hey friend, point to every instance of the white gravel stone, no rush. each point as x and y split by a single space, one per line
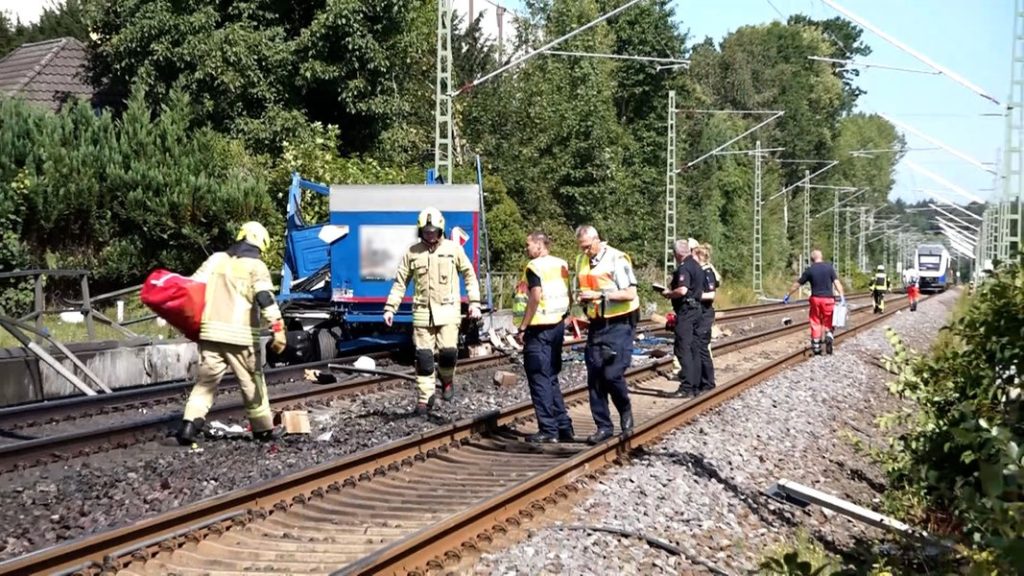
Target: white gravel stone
702 487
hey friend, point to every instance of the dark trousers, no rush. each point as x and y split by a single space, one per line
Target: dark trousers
707 364
879 298
687 345
608 354
542 358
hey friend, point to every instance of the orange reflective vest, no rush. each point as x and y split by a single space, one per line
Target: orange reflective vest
601 278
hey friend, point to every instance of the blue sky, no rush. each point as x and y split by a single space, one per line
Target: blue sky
973 38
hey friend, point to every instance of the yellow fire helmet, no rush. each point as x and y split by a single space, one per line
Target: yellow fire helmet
430 217
254 233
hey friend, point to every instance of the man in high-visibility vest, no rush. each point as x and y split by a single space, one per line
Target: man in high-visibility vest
539 310
434 264
879 286
606 289
237 283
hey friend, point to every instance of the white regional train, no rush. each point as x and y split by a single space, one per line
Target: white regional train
933 271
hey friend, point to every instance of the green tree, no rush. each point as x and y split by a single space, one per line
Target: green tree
846 44
261 69
121 196
58 20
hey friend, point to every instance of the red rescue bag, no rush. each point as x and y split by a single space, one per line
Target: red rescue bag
177 299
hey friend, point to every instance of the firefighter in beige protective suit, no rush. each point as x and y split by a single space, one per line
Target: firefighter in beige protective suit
238 291
433 265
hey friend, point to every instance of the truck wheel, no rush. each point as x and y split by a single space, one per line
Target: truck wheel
327 343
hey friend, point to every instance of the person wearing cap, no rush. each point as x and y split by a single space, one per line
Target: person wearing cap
685 292
237 283
433 265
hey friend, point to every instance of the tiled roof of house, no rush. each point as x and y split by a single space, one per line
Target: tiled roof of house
46 73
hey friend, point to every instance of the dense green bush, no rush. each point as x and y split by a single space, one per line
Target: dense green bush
957 466
120 196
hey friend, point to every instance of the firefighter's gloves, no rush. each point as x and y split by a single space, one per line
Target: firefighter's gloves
474 312
389 317
785 299
280 341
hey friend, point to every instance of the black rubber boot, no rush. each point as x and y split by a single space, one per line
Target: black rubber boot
422 408
447 391
829 343
189 431
816 347
626 422
542 438
274 433
599 436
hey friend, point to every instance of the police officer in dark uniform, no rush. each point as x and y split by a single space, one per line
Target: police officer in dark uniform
685 292
707 314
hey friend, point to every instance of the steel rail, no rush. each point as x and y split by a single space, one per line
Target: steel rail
432 545
41 451
83 443
50 411
141 541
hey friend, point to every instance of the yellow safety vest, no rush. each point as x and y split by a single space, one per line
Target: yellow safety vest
881 282
554 299
601 278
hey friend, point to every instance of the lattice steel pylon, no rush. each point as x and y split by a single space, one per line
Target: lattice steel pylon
862 230
443 94
846 248
670 188
1013 164
758 258
806 256
835 231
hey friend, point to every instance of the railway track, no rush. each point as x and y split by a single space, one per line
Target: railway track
82 443
418 503
740 313
143 398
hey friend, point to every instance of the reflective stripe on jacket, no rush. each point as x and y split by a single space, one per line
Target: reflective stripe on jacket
230 313
881 282
554 288
435 278
602 279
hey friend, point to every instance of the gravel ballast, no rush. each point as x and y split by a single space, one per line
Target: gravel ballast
702 487
46 505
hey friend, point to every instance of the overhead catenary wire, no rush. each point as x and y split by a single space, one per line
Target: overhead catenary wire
832 163
860 64
775 114
959 154
514 63
948 202
959 190
619 56
921 57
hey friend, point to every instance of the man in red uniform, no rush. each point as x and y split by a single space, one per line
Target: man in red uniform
822 276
